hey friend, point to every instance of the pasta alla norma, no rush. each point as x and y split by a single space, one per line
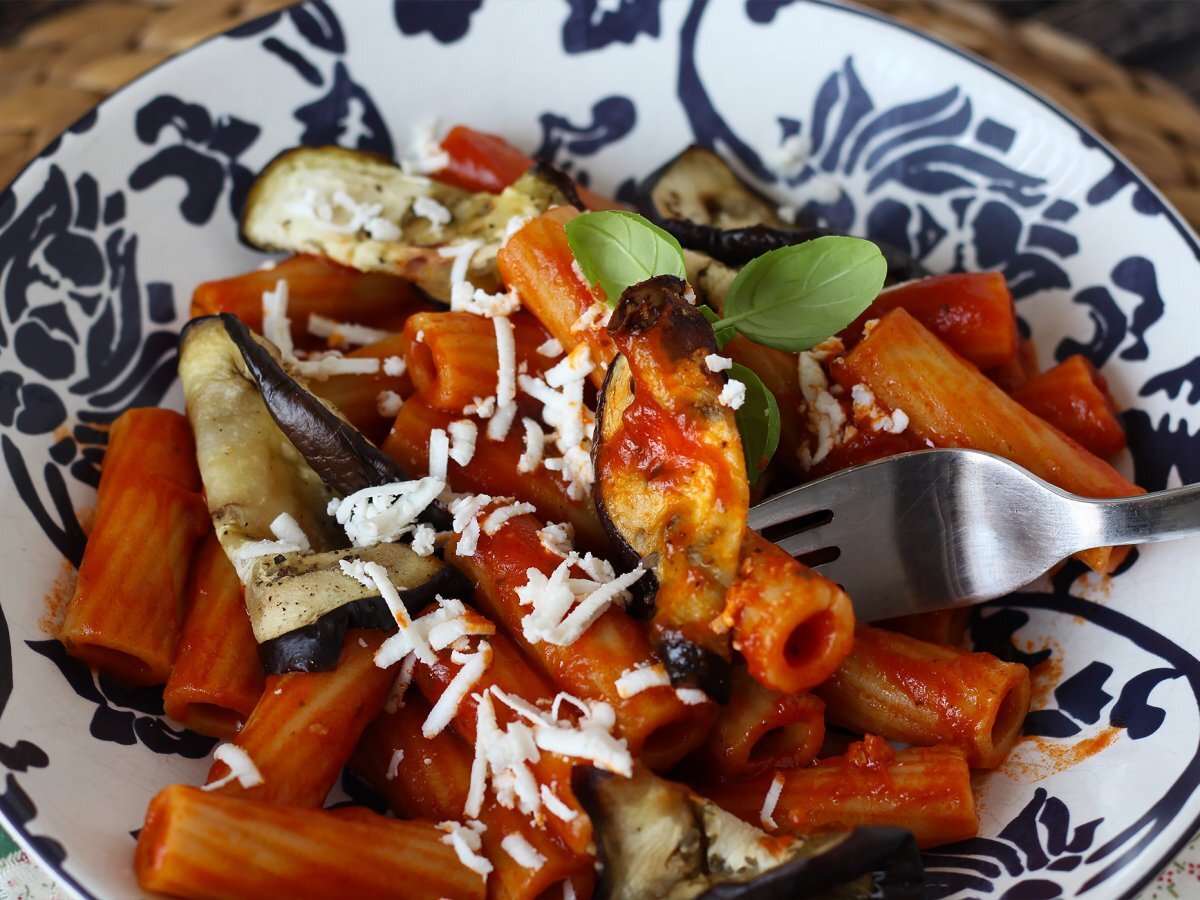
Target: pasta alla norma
459 504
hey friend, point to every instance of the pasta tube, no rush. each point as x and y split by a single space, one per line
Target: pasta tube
924 694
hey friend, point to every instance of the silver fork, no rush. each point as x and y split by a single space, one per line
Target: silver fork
934 529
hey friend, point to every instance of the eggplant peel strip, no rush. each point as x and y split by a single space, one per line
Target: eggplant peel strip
671 484
656 838
700 201
363 211
252 472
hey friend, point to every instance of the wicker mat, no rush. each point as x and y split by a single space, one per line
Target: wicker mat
65 63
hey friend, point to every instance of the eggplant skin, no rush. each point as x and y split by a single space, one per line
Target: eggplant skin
699 185
645 305
690 664
888 856
335 449
317 646
737 246
656 838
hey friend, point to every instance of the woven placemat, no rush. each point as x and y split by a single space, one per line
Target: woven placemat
62 65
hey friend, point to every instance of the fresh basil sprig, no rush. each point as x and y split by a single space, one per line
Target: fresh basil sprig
757 421
792 298
616 249
722 334
795 297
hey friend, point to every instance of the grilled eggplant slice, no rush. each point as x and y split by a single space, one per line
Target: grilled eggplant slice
737 246
336 450
252 472
307 604
656 838
700 200
670 477
360 209
698 186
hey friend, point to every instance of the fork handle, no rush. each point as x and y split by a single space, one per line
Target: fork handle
1147 518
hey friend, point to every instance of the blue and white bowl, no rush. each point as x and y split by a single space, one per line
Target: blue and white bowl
103 237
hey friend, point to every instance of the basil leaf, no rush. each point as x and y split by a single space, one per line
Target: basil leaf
795 297
616 249
757 421
722 334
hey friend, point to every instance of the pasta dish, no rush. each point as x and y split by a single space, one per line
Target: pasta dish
456 519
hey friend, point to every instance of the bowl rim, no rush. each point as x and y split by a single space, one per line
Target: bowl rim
11 817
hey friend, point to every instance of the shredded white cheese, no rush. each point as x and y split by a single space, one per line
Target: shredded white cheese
393 768
558 538
717 363
321 367
395 698
524 854
555 806
733 394
386 512
535 445
424 540
640 678
344 332
506 379
555 618
372 574
767 814
499 516
241 768
561 396
466 843
691 696
389 404
463 435
465 509
550 347
290 538
425 154
868 412
439 454
428 208
277 328
461 253
473 665
826 419
394 366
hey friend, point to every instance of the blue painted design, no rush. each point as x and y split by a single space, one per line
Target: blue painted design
1136 275
72 308
708 126
763 11
295 59
444 22
345 115
205 156
1060 211
612 119
1039 839
314 19
594 24
1173 382
124 715
1157 449
994 134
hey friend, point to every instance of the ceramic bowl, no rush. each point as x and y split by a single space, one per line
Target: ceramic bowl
879 130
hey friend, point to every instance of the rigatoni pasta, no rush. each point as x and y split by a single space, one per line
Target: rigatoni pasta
505 554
